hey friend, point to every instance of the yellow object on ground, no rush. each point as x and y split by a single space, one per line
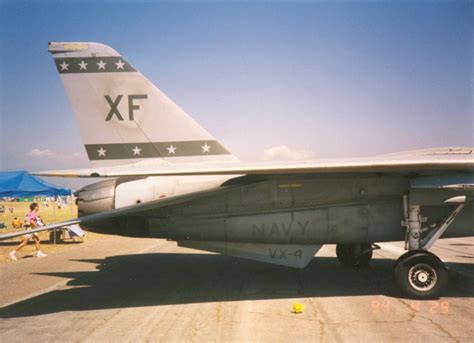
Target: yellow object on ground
297 308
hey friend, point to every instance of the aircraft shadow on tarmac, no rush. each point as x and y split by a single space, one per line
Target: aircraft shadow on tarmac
163 279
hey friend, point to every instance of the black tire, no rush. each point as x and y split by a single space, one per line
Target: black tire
354 255
420 275
407 255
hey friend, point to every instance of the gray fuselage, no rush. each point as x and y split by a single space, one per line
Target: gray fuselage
295 209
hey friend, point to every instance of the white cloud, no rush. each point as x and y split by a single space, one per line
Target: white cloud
282 152
46 153
38 153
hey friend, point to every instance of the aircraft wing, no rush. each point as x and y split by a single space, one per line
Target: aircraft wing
461 159
134 209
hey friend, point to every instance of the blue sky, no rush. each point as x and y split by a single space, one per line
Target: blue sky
267 79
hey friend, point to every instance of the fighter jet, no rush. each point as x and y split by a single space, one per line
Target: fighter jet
167 177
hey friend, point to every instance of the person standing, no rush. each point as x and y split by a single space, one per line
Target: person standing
31 222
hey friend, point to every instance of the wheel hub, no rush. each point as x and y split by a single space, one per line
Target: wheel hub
422 277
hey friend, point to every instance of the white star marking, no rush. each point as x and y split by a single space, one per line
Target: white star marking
64 66
101 151
101 65
171 149
206 148
83 65
120 64
136 151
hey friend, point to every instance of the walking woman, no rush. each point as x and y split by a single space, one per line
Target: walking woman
31 222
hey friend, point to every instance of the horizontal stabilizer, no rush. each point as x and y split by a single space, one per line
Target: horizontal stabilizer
290 255
133 210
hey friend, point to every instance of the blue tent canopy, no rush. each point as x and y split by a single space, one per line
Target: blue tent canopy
21 184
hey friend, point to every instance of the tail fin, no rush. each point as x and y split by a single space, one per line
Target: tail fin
122 116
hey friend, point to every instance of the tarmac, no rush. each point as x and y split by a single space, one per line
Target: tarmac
126 289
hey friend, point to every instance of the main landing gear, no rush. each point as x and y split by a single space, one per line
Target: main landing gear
354 255
418 273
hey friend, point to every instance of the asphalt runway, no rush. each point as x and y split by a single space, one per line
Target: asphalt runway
123 289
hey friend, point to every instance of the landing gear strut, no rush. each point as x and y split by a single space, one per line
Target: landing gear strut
354 255
418 273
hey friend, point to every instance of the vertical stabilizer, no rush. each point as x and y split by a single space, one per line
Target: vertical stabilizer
124 118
